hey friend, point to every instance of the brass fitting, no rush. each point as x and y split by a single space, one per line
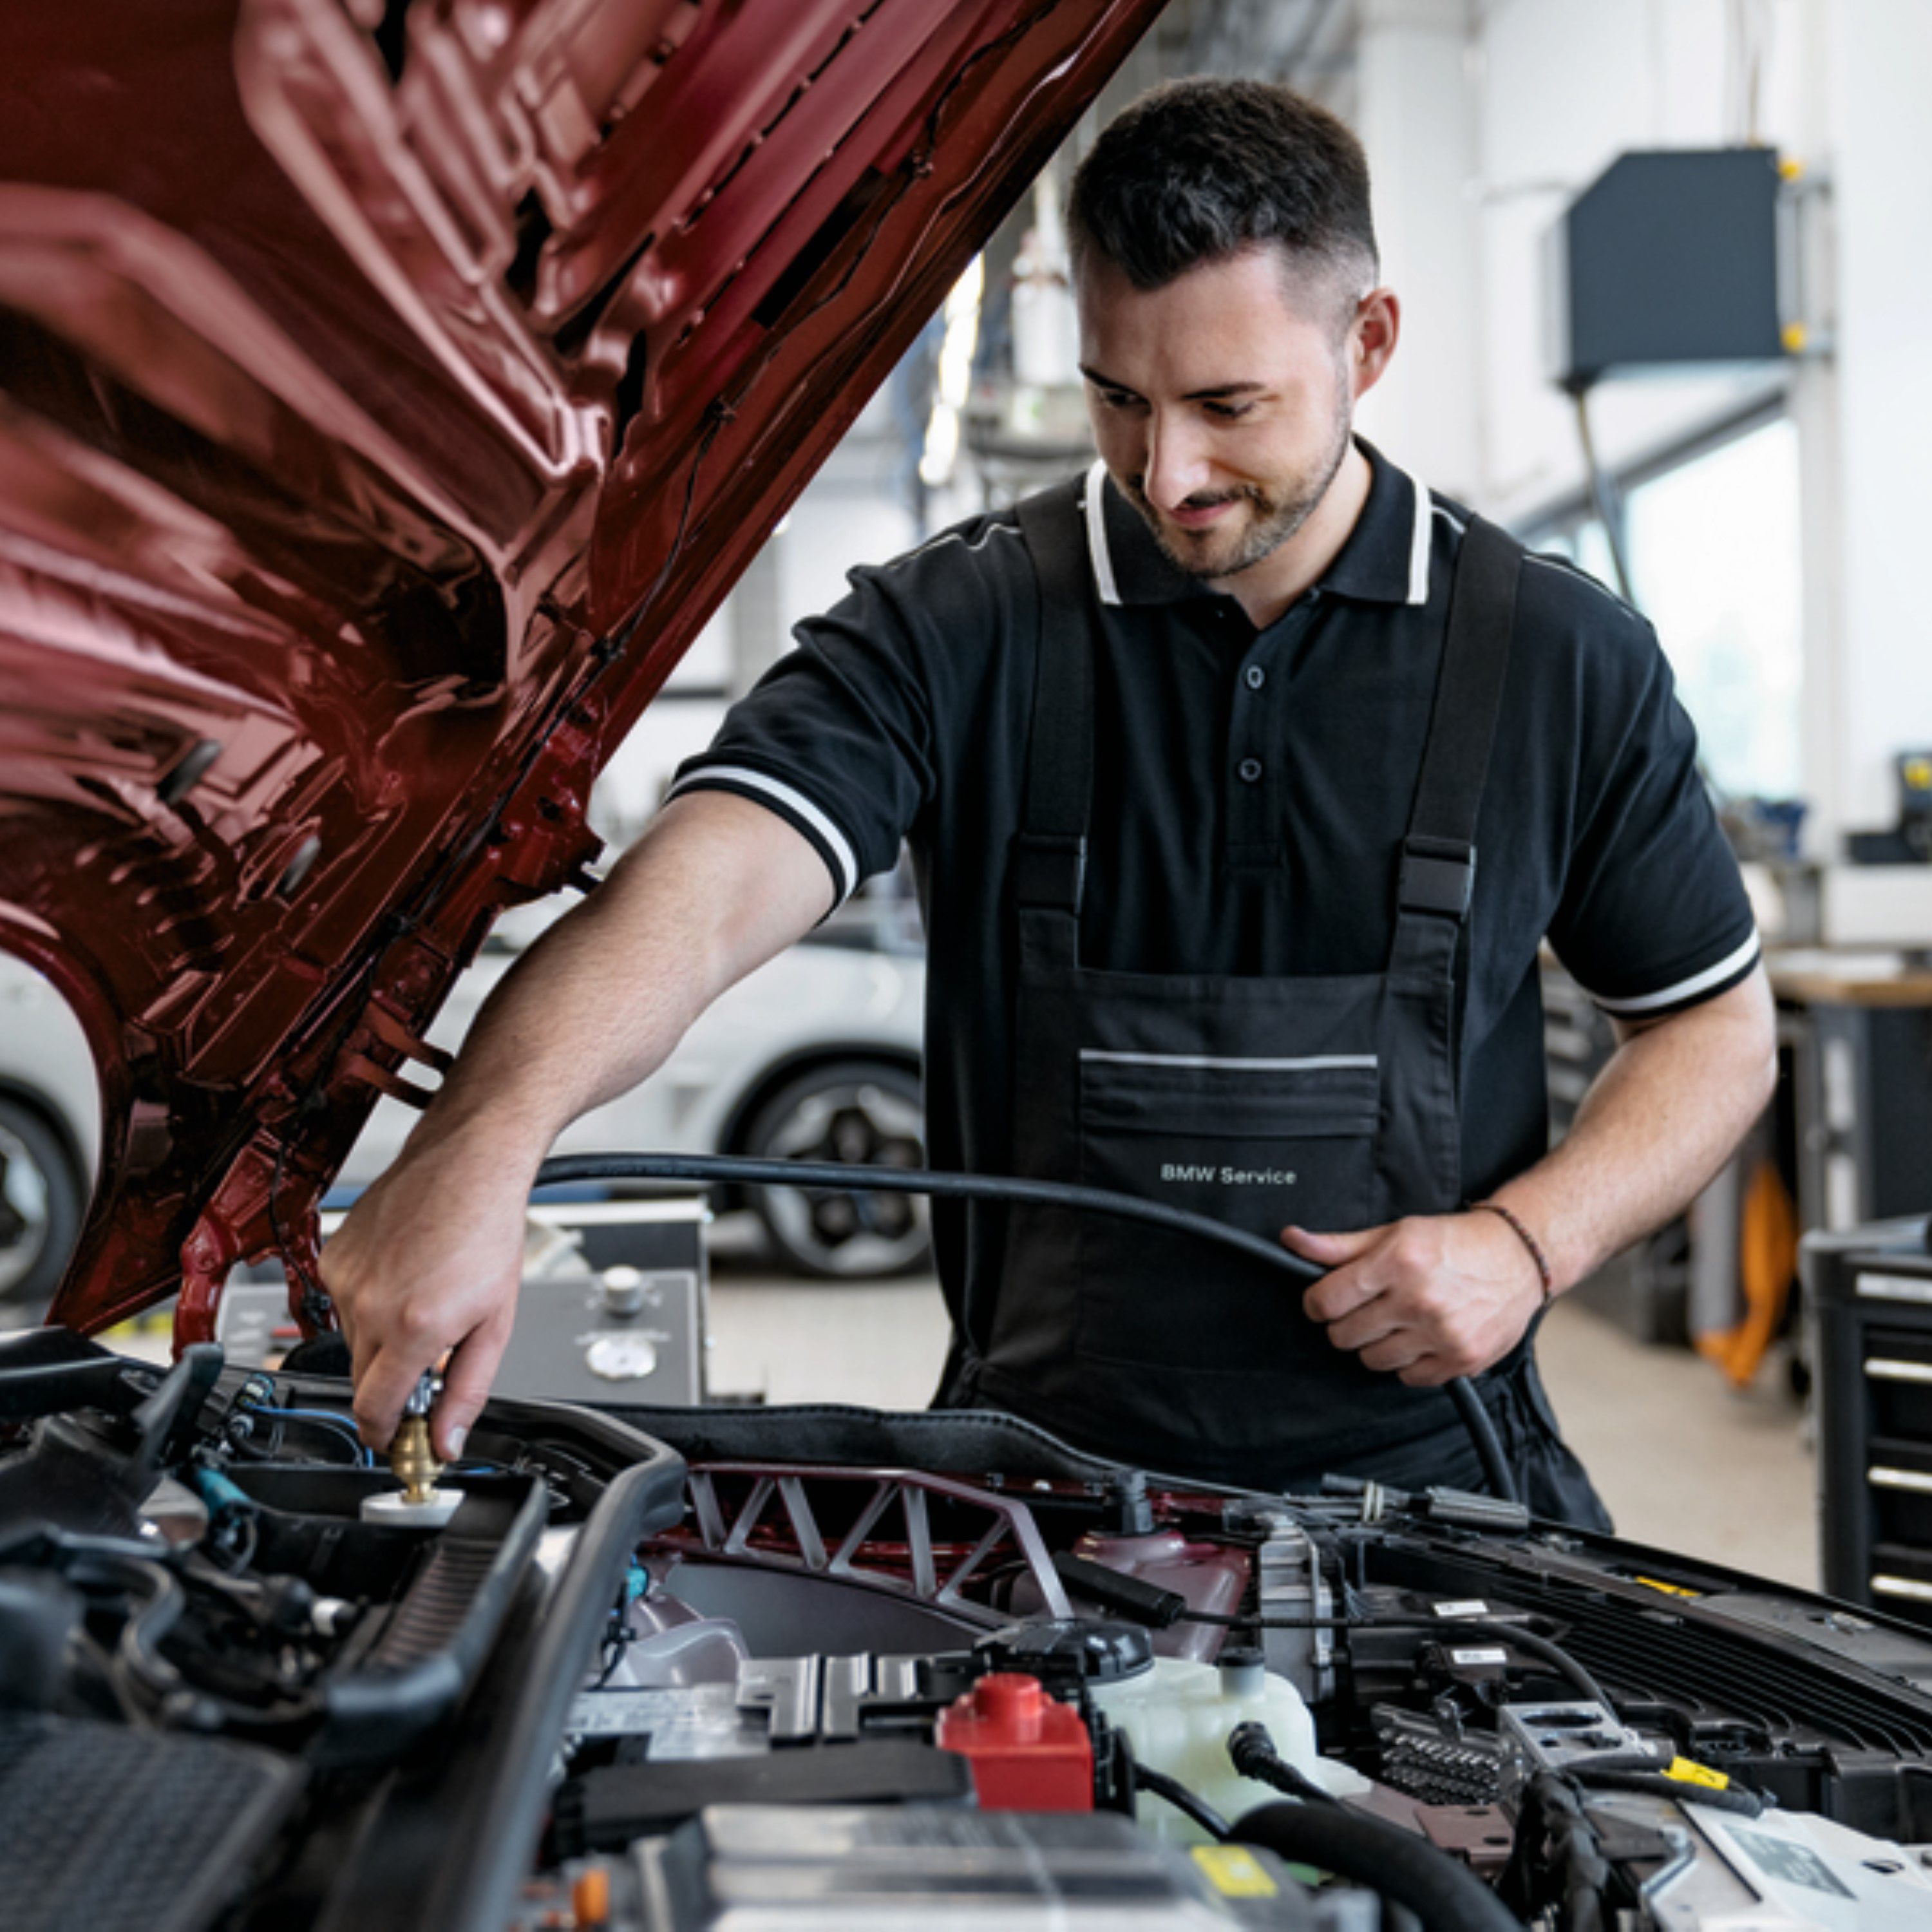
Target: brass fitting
411 1462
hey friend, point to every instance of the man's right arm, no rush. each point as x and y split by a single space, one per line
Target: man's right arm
429 1259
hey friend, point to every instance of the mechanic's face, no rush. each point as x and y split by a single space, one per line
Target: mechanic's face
1222 401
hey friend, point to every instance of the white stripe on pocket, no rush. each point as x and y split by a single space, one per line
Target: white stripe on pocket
1316 1063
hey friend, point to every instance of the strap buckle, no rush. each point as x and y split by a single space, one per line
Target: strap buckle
1049 871
1438 875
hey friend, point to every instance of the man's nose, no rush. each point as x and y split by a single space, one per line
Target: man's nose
1177 467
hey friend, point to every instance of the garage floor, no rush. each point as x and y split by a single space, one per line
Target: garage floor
1684 1463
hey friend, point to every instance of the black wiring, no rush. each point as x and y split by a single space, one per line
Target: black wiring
618 1638
1182 1800
1541 1648
318 1310
1733 1797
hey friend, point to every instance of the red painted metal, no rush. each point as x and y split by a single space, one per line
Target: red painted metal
388 407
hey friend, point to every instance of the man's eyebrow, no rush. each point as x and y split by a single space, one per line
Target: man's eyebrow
1218 392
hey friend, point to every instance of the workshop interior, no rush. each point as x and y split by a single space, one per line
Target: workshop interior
420 422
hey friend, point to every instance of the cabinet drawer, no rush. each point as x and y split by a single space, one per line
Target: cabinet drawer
1898 1482
1898 1369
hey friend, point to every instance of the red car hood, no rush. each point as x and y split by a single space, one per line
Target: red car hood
387 397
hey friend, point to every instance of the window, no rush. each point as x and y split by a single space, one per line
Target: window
1712 539
1714 557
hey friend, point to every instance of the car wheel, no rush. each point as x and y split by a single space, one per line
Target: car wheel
856 1111
40 1208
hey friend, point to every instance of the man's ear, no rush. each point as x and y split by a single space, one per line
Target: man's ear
1372 338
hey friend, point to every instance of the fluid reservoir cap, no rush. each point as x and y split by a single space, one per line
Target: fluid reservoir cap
1244 1671
1069 1650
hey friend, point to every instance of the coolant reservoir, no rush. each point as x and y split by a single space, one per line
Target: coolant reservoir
1178 1716
1211 1576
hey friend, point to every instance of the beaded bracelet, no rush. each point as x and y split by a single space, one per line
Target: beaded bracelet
1528 1240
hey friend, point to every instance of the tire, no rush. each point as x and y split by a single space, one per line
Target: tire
40 1207
865 1110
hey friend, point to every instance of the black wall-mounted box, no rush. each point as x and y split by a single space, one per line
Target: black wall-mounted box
1668 257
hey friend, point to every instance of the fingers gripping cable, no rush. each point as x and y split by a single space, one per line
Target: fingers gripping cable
709 1169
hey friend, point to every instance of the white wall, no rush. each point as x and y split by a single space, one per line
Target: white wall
1878 71
1518 105
1416 115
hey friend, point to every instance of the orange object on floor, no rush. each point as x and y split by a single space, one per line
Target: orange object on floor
1767 1264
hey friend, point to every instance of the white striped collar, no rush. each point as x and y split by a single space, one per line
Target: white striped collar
1095 503
1419 537
1389 564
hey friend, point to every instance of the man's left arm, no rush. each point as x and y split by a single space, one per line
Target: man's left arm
1434 1296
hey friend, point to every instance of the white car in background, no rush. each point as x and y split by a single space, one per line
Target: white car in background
814 1056
49 1128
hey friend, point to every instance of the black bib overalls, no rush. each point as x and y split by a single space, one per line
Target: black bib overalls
1329 1102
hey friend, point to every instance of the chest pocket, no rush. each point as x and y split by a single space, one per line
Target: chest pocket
1255 1143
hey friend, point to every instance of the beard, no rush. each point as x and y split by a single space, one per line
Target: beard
1276 513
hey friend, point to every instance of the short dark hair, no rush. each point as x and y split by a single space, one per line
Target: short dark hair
1198 171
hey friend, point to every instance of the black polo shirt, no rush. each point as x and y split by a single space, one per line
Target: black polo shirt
1251 792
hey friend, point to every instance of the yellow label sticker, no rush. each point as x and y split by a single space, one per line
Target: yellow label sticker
1669 1589
1685 1772
1234 1873
1918 774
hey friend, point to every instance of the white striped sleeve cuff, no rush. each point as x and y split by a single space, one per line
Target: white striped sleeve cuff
1712 979
818 828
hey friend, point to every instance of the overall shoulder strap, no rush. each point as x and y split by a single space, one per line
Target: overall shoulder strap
1438 859
1049 861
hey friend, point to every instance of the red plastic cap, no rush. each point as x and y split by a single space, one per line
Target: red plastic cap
1028 1751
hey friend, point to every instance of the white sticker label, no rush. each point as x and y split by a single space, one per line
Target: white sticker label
1474 1657
1472 1606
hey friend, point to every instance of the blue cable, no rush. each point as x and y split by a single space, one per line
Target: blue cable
337 1423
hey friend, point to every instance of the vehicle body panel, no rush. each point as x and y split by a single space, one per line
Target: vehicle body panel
388 399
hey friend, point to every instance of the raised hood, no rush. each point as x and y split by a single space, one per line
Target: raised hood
388 394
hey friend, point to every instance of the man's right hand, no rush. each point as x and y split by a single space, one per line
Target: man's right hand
427 1264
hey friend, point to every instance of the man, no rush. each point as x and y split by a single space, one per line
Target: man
1230 903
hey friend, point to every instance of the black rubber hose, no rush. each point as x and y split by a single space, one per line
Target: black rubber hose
1251 1750
707 1168
1395 1864
1496 1471
1182 1800
856 1179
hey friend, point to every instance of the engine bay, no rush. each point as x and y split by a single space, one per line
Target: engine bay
674 1669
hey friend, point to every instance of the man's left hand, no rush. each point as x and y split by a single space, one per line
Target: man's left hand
1426 1298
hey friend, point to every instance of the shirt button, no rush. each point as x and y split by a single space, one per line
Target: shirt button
1251 770
1255 677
